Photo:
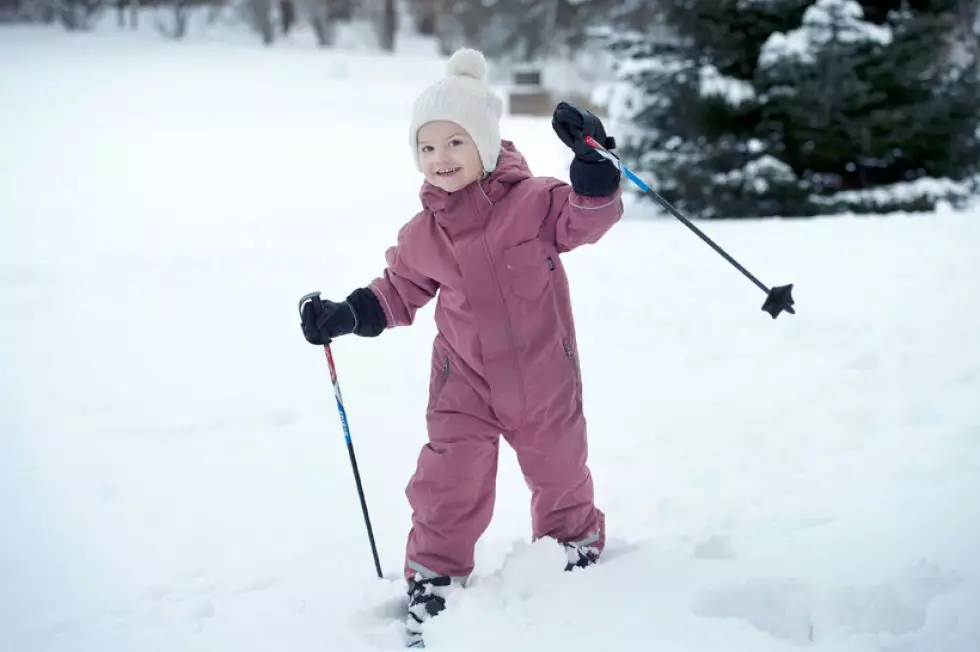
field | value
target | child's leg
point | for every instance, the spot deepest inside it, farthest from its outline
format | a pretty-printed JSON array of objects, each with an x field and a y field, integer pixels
[
  {"x": 452, "y": 494},
  {"x": 553, "y": 459}
]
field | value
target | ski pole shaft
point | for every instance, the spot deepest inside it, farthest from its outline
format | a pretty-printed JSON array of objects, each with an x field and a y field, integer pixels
[
  {"x": 350, "y": 451},
  {"x": 778, "y": 299}
]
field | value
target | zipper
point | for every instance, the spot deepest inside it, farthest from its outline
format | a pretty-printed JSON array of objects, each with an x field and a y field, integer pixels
[
  {"x": 503, "y": 304},
  {"x": 510, "y": 328},
  {"x": 551, "y": 263}
]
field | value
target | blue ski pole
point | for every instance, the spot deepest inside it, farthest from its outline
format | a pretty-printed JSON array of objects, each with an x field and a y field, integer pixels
[
  {"x": 347, "y": 438},
  {"x": 778, "y": 299}
]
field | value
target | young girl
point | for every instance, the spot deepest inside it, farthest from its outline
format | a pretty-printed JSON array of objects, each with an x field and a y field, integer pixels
[{"x": 504, "y": 361}]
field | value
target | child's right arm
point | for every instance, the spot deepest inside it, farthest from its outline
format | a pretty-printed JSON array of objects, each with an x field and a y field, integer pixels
[
  {"x": 401, "y": 290},
  {"x": 390, "y": 300}
]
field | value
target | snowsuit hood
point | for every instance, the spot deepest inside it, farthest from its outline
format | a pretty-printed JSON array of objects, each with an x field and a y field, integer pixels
[{"x": 511, "y": 169}]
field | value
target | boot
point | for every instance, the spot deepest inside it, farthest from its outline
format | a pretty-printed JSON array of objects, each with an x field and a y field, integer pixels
[
  {"x": 579, "y": 555},
  {"x": 426, "y": 598}
]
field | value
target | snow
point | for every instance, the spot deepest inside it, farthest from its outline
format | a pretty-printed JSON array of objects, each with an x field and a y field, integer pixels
[
  {"x": 823, "y": 22},
  {"x": 173, "y": 474},
  {"x": 791, "y": 45},
  {"x": 757, "y": 174},
  {"x": 734, "y": 91},
  {"x": 622, "y": 97},
  {"x": 899, "y": 193}
]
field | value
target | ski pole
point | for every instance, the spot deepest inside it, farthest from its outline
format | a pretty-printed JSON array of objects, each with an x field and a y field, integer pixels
[
  {"x": 778, "y": 298},
  {"x": 350, "y": 444}
]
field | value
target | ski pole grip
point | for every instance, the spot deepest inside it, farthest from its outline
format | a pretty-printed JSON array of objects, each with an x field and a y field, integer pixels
[{"x": 601, "y": 151}]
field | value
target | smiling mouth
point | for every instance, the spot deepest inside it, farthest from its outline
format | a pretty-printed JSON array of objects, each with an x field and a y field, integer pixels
[{"x": 447, "y": 171}]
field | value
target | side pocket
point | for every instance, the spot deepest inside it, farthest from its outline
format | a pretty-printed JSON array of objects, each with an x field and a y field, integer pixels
[
  {"x": 573, "y": 359},
  {"x": 527, "y": 271},
  {"x": 443, "y": 377}
]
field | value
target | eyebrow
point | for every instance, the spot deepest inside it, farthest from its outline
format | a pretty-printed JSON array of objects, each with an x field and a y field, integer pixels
[{"x": 426, "y": 142}]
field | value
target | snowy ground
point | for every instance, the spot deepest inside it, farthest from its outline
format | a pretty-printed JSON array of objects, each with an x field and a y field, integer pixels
[{"x": 172, "y": 470}]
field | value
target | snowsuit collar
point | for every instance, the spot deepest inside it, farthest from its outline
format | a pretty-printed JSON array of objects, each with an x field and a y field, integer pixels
[{"x": 472, "y": 203}]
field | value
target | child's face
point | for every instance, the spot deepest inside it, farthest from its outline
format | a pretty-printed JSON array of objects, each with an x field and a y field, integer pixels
[{"x": 449, "y": 157}]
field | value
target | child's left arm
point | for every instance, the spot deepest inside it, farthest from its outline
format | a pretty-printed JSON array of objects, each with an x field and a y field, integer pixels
[
  {"x": 580, "y": 218},
  {"x": 585, "y": 210}
]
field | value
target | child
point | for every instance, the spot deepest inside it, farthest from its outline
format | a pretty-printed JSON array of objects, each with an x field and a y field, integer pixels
[{"x": 487, "y": 241}]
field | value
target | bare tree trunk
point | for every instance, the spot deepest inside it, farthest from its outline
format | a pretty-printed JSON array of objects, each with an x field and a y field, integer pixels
[
  {"x": 176, "y": 28},
  {"x": 48, "y": 13},
  {"x": 261, "y": 18},
  {"x": 130, "y": 6},
  {"x": 341, "y": 9},
  {"x": 427, "y": 17},
  {"x": 214, "y": 12},
  {"x": 287, "y": 15},
  {"x": 78, "y": 14},
  {"x": 449, "y": 33},
  {"x": 180, "y": 19},
  {"x": 388, "y": 26},
  {"x": 322, "y": 21}
]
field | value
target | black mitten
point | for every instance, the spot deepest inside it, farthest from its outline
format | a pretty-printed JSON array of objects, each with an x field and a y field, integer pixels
[
  {"x": 591, "y": 175},
  {"x": 322, "y": 320},
  {"x": 573, "y": 124},
  {"x": 594, "y": 179}
]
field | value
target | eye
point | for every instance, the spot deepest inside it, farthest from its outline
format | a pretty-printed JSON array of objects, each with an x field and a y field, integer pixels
[
  {"x": 426, "y": 149},
  {"x": 455, "y": 142}
]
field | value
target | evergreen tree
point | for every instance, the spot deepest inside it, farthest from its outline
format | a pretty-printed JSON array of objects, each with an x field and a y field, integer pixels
[{"x": 796, "y": 107}]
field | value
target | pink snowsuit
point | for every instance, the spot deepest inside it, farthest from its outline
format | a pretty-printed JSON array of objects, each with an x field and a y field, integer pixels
[{"x": 504, "y": 359}]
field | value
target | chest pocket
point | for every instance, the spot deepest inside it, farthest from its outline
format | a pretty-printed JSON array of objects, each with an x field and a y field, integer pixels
[{"x": 528, "y": 270}]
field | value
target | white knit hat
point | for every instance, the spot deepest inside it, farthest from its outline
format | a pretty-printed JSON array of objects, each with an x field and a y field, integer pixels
[{"x": 463, "y": 97}]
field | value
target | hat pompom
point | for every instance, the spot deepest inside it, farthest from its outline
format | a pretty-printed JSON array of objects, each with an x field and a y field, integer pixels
[{"x": 467, "y": 63}]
